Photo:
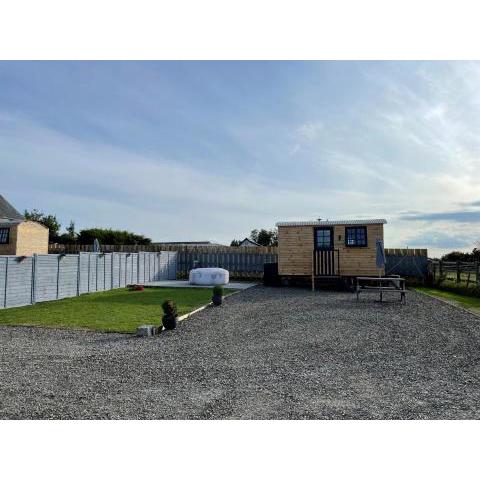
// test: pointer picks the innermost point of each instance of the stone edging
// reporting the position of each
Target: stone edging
(209, 304)
(449, 302)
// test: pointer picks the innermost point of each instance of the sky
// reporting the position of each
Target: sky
(188, 151)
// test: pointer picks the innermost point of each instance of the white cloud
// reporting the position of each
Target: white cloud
(412, 145)
(309, 131)
(97, 184)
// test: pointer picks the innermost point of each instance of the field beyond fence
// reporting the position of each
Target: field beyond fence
(464, 274)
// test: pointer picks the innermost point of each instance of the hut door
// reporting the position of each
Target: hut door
(324, 255)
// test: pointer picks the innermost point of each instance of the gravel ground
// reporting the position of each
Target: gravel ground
(267, 353)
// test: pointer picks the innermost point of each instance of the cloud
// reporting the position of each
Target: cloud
(182, 151)
(97, 184)
(441, 240)
(464, 216)
(309, 131)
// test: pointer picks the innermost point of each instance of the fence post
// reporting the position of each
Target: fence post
(88, 280)
(58, 273)
(34, 267)
(119, 270)
(6, 283)
(111, 270)
(440, 270)
(477, 270)
(79, 275)
(458, 272)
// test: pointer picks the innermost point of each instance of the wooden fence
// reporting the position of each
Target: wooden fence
(455, 272)
(76, 248)
(241, 262)
(416, 252)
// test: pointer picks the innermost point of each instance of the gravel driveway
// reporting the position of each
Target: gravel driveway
(266, 353)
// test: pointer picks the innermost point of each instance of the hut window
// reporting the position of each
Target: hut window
(356, 236)
(323, 238)
(4, 235)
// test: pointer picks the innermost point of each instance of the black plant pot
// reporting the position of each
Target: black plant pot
(169, 322)
(217, 300)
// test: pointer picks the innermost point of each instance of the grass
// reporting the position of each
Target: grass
(465, 301)
(113, 311)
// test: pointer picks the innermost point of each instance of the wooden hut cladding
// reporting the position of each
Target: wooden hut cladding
(340, 248)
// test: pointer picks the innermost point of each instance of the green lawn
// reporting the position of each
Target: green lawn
(113, 311)
(472, 303)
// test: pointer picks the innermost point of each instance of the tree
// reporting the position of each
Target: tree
(267, 238)
(107, 236)
(50, 221)
(72, 235)
(455, 256)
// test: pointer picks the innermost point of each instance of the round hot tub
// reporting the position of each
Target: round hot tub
(208, 276)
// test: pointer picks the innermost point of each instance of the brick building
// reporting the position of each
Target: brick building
(19, 236)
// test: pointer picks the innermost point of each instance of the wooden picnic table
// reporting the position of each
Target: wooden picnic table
(383, 284)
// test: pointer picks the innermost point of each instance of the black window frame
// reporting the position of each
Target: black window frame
(332, 240)
(7, 237)
(356, 245)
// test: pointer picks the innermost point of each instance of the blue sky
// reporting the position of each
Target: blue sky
(211, 150)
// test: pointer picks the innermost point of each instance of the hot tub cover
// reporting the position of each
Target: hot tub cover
(208, 276)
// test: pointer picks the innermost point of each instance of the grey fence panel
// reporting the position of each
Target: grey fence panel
(84, 286)
(108, 270)
(117, 270)
(67, 276)
(19, 282)
(101, 273)
(141, 268)
(46, 277)
(126, 270)
(172, 265)
(93, 258)
(26, 280)
(407, 265)
(134, 268)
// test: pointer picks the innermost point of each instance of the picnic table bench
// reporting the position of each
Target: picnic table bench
(383, 284)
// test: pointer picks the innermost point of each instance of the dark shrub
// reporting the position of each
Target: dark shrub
(217, 297)
(218, 290)
(170, 314)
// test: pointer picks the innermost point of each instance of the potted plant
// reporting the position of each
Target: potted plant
(170, 315)
(217, 297)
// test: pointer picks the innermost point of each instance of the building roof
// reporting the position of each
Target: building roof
(329, 223)
(249, 240)
(8, 212)
(201, 243)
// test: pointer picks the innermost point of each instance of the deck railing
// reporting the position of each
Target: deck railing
(326, 263)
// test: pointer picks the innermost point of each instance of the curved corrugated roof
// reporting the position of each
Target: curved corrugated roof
(330, 223)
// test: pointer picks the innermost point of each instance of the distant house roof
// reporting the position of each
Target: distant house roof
(8, 212)
(201, 243)
(247, 242)
(323, 223)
